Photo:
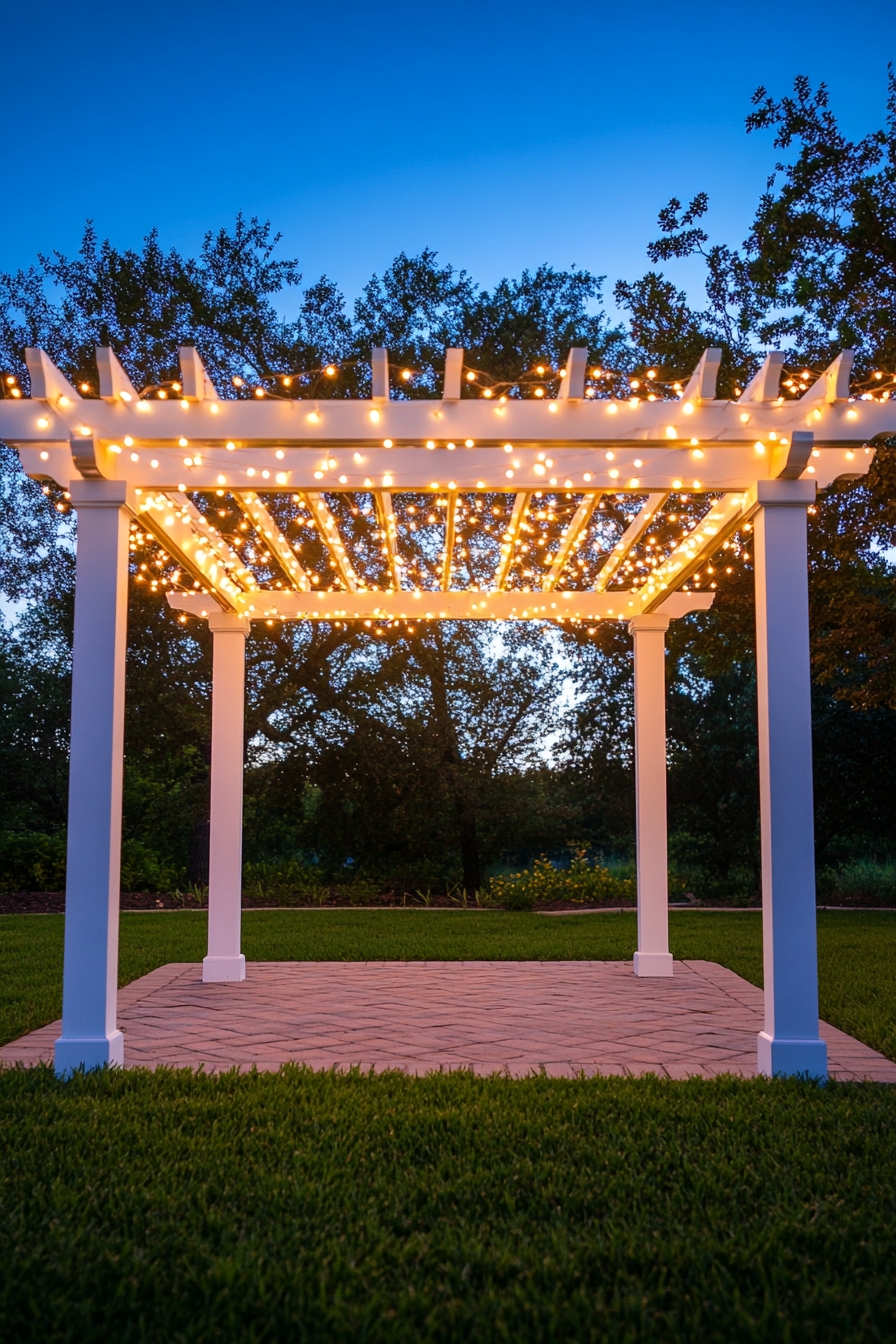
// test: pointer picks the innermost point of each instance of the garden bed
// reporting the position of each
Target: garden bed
(53, 902)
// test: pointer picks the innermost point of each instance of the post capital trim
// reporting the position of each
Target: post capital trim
(649, 621)
(102, 494)
(228, 623)
(780, 494)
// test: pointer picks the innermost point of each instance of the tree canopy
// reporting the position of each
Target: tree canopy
(431, 756)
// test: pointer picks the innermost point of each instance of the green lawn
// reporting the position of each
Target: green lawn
(173, 1208)
(319, 1207)
(857, 950)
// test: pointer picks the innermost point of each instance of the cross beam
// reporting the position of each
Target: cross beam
(450, 537)
(580, 520)
(695, 549)
(435, 605)
(511, 533)
(389, 528)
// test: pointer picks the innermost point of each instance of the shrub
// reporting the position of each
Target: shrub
(282, 882)
(30, 861)
(359, 890)
(861, 882)
(583, 882)
(143, 870)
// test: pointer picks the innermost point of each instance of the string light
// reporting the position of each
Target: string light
(533, 545)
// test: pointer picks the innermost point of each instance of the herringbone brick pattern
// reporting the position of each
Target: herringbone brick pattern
(507, 1016)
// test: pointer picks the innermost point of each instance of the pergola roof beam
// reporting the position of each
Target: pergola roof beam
(629, 538)
(195, 382)
(637, 468)
(454, 367)
(265, 525)
(329, 533)
(512, 528)
(572, 386)
(47, 382)
(115, 385)
(379, 373)
(833, 385)
(765, 384)
(570, 539)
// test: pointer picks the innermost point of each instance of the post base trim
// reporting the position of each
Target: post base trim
(779, 1057)
(71, 1053)
(218, 970)
(653, 963)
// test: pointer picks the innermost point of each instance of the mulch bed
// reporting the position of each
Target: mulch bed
(53, 902)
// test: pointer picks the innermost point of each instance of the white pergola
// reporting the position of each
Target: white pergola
(128, 457)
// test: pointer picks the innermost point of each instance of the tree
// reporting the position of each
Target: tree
(424, 754)
(817, 271)
(347, 732)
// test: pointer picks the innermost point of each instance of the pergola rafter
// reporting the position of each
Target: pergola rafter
(450, 538)
(632, 535)
(330, 535)
(265, 525)
(758, 461)
(696, 548)
(511, 532)
(193, 543)
(386, 518)
(569, 540)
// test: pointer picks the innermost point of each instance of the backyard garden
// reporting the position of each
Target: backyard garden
(459, 793)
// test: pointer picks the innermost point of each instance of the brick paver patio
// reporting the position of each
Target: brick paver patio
(514, 1017)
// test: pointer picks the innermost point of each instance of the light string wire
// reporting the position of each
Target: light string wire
(647, 385)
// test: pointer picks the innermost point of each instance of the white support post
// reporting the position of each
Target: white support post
(790, 1043)
(90, 1036)
(653, 956)
(225, 961)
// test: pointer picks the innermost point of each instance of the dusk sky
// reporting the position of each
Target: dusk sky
(501, 135)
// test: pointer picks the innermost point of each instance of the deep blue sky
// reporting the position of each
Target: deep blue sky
(500, 134)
